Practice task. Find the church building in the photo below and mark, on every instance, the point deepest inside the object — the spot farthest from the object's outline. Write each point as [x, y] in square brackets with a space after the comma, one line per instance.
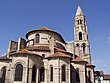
[45, 57]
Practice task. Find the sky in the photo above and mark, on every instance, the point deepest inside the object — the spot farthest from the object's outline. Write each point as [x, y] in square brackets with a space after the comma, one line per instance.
[17, 17]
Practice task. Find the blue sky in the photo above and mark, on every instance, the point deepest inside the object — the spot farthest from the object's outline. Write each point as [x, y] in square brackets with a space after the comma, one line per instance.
[17, 17]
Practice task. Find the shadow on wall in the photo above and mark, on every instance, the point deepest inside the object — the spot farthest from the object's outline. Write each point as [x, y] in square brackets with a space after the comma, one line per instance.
[2, 74]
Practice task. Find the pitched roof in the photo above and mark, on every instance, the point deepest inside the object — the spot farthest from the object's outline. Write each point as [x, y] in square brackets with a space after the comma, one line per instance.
[4, 58]
[24, 51]
[106, 77]
[78, 59]
[44, 48]
[59, 54]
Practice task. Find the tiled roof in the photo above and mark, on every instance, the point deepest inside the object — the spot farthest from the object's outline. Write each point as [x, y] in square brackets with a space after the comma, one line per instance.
[59, 49]
[63, 51]
[78, 59]
[44, 28]
[23, 51]
[90, 65]
[4, 58]
[59, 54]
[106, 77]
[44, 48]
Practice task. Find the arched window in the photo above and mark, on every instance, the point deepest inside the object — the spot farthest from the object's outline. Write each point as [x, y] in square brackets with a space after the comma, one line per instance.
[3, 73]
[42, 74]
[84, 46]
[18, 72]
[72, 73]
[51, 73]
[77, 45]
[89, 76]
[34, 74]
[43, 55]
[37, 38]
[63, 73]
[80, 36]
[77, 75]
[80, 21]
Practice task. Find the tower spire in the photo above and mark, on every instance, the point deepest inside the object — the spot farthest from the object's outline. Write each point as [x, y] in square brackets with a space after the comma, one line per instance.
[79, 11]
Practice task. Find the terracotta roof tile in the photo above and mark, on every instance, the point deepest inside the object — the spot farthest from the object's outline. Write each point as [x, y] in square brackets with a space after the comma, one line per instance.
[44, 28]
[44, 48]
[59, 54]
[59, 49]
[90, 65]
[23, 51]
[63, 51]
[106, 77]
[78, 59]
[4, 58]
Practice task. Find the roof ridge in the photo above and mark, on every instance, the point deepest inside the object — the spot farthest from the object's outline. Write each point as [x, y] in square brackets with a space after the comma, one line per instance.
[43, 28]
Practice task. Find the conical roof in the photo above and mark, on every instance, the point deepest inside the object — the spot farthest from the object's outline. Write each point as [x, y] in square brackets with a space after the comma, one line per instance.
[79, 11]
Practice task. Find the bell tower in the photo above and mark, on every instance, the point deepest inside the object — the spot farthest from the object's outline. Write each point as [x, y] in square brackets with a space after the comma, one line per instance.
[81, 42]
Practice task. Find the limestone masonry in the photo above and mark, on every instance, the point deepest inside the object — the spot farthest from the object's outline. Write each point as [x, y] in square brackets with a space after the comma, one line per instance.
[45, 57]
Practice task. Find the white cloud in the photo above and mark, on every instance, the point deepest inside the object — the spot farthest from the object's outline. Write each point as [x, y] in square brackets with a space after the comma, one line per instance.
[108, 40]
[105, 65]
[96, 61]
[70, 41]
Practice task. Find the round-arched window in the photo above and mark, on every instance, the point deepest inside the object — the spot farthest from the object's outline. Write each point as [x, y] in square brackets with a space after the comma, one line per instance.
[37, 38]
[18, 72]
